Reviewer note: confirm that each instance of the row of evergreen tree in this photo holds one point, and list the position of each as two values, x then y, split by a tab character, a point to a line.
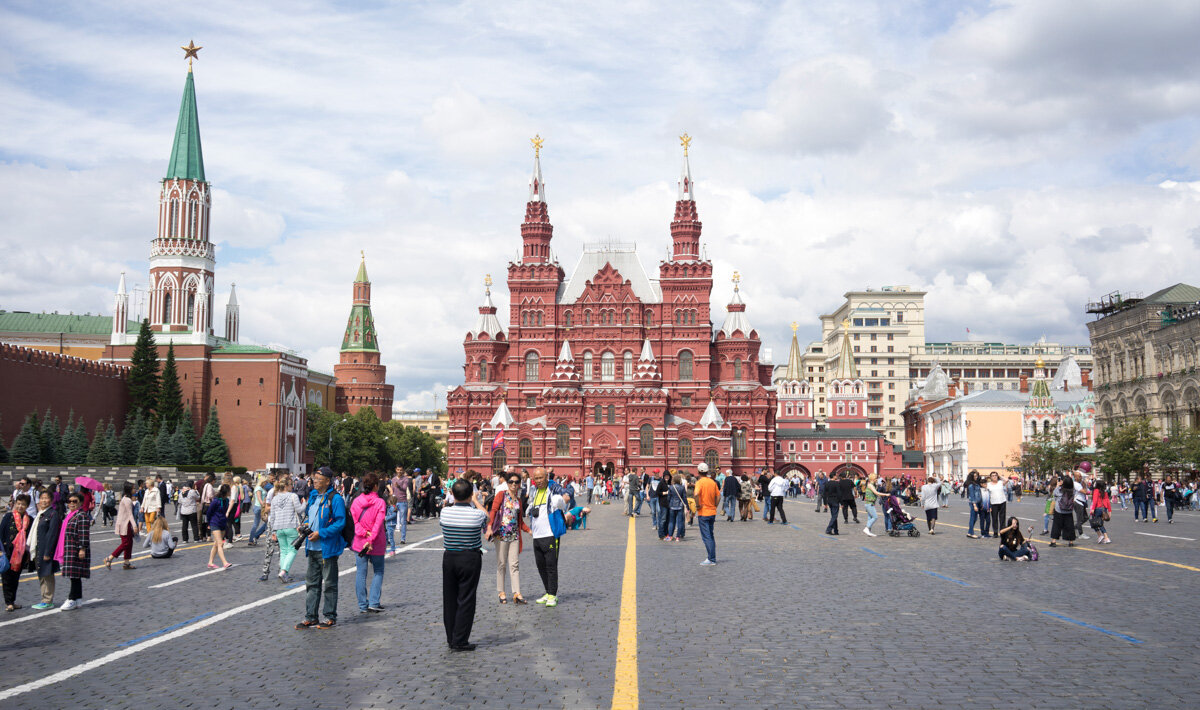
157	431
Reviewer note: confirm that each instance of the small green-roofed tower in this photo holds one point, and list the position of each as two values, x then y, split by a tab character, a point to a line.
361	378
360	328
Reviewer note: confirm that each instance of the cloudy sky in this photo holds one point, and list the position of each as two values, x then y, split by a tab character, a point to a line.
1015	159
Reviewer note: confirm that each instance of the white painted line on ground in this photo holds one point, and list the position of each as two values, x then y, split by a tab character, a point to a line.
1169	537
41	614
1031	520
93	664
191	576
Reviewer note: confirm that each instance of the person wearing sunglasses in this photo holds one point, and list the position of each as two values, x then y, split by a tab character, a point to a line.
505	524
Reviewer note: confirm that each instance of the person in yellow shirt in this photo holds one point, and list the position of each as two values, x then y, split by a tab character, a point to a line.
707	495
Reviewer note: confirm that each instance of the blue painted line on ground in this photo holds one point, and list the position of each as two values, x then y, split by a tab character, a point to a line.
830	537
1093	627
293	586
877	554
948	579
169	629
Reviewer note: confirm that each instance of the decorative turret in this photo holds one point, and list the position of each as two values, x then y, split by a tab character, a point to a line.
793	390
685	228
647	366
232	315
711	418
536	231
735	318
487	322
846	368
737	343
120	324
565	374
1039	394
846	394
795	367
359	374
202	323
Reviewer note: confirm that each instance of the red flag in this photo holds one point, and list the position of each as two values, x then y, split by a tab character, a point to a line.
498	441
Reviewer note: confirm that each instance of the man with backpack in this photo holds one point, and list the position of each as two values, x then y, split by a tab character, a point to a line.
327	521
633	487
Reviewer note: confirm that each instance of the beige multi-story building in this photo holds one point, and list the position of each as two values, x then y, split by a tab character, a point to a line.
1146	352
434	422
887	332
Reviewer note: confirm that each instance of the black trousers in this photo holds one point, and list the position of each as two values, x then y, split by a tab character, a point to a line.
76	591
999	513
460	578
1081	517
1062	527
777	507
832	527
545	554
847	506
10	579
190	519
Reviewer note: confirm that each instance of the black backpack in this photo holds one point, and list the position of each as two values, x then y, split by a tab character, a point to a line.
348	528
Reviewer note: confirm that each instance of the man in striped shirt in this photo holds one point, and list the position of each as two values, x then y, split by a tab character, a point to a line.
462	536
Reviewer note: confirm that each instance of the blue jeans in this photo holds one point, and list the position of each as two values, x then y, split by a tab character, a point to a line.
675	523
321	582
402	516
766	506
1046	521
1139	508
389	527
360	580
654	512
975	516
641	497
731	506
1021	551
887	519
259	527
871	515
706	534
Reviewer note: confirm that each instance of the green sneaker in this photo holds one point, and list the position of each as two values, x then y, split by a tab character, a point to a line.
552	601
42	605
542	599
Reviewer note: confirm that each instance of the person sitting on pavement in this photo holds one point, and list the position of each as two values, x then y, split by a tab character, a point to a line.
160	540
1012	542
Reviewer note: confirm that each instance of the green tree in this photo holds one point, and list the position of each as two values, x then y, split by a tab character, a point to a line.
143	372
131	436
51	440
27	447
1041	455
181	449
98	454
162	443
193	441
75	444
170	396
113	443
1124	449
148	451
213	449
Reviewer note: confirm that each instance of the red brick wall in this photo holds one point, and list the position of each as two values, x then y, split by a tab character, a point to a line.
36	379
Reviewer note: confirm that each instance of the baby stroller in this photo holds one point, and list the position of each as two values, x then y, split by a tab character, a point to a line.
901	521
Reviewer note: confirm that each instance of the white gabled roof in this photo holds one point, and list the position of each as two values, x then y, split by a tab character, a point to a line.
503	417
625	261
711	418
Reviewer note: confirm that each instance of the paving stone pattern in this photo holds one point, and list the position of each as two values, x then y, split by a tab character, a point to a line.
789	618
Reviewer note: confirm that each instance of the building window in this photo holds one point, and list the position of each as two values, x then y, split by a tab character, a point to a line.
862	446
239	380
477	442
562	440
587	367
499	460
833	446
531	366
647	440
804	446
525	451
596	419
587	317
819	446
483	375
628	365
713	459
685	452
172	229
608	367
530	401
539	318
685	365
739	443
649	318
567	319
612	414
628	318
791	446
191	309
216	380
166	317
737	368
685	400
260	381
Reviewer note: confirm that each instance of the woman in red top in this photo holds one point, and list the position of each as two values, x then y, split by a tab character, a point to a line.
1101	508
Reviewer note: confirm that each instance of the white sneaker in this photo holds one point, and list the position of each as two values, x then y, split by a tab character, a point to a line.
70	604
868	533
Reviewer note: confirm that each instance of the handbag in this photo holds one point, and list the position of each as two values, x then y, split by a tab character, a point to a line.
1107	516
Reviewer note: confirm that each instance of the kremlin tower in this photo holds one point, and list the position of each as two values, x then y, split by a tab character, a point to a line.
360	377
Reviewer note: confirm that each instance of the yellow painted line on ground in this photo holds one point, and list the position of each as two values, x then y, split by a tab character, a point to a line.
1106	552
625	689
134	558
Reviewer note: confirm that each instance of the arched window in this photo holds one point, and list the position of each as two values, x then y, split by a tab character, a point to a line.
191	309
567	319
173	225
587	317
739	443
499	460
833	446
531	366
628	318
587	366
166	318
608	367
685	452
647	440
691	318
713	459
737	368
789	410
539	318
685	364
612	414
685	272
853	408
628	369
483	370
476	442
649	318
525	451
596	418
562	440
524	317
194	229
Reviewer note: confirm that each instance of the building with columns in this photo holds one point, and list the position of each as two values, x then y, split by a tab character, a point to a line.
360	376
610	369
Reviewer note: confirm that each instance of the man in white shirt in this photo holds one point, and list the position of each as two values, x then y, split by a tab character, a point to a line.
929	501
543	500
777	487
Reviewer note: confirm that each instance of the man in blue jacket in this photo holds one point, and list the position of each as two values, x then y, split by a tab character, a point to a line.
326	518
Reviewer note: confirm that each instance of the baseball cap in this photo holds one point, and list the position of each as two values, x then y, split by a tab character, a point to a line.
702	468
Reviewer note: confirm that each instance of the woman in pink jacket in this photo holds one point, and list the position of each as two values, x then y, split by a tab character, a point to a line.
370	542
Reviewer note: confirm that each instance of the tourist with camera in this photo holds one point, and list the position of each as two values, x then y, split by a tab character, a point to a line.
323	545
369	513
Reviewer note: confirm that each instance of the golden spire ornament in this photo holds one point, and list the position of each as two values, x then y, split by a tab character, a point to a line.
685	140
537	142
795	327
487	282
190	52
737	279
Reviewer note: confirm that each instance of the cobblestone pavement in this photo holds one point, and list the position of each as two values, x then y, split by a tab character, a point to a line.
790	617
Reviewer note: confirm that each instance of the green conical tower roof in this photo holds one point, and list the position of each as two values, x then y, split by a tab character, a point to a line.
362	273
187	161
360	330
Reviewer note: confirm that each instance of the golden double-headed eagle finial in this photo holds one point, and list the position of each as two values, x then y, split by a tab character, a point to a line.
845	323
537	142
487	280
736	279
795	327
685	140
